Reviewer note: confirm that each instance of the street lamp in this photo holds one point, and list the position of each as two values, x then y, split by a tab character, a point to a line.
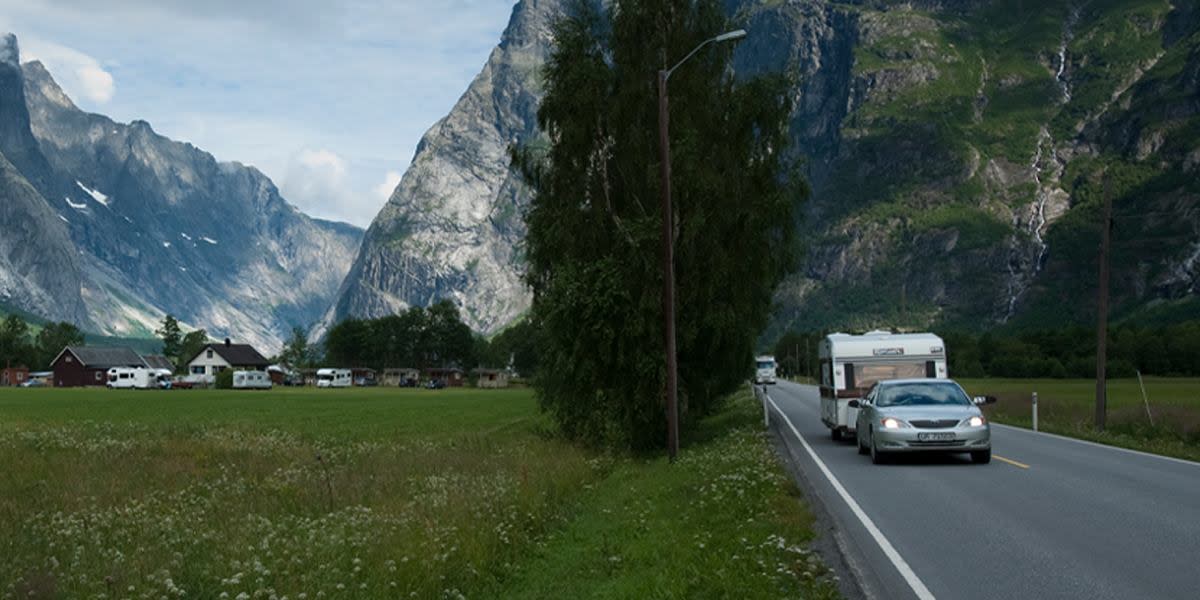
668	241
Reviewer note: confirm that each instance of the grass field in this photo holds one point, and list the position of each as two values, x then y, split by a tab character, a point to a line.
1068	407
380	493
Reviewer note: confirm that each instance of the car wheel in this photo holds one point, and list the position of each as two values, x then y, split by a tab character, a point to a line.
858	438
877	457
836	434
981	457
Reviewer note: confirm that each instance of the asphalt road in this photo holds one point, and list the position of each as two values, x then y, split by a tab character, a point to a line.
1048	518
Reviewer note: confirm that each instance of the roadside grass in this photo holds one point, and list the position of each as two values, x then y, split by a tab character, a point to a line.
1067	407
372	493
724	522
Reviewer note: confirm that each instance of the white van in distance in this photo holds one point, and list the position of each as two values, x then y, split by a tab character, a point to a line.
333	378
764	369
851	364
251	380
137	378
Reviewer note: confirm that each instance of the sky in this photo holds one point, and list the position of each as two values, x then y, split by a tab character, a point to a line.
328	98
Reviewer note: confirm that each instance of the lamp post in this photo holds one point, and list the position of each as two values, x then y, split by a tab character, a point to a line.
668	241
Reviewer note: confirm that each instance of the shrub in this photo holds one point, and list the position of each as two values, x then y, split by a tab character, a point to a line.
225	380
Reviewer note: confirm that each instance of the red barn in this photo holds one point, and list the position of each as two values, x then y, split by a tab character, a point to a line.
78	366
14	376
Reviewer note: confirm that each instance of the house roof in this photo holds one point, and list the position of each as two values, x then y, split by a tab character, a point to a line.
238	355
158	361
103	357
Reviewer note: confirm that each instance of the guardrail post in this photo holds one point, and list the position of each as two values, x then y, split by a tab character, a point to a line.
1035	423
766	408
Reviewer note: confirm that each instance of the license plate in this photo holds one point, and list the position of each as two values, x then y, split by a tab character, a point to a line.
935	437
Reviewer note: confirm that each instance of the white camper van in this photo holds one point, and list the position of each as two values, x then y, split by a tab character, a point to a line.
764	369
851	364
138	378
251	380
333	378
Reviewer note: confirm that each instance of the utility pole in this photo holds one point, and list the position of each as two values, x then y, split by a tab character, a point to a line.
668	241
1102	310
668	258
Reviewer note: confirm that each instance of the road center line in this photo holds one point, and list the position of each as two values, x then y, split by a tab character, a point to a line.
914	582
1010	461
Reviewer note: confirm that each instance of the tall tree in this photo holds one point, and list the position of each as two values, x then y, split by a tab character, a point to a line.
190	346
171	336
594	224
15	346
53	338
297	353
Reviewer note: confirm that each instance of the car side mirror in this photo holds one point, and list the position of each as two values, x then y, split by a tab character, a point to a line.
854	404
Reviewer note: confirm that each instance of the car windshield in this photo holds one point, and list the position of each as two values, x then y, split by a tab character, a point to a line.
764	364
922	394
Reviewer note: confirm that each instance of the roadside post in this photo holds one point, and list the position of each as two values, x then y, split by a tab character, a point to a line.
766	409
1035	411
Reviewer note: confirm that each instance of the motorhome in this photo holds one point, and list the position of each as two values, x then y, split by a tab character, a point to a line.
138	378
764	369
333	378
851	364
251	380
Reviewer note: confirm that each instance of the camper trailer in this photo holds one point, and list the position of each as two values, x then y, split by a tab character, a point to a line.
137	378
333	378
251	380
851	364
764	369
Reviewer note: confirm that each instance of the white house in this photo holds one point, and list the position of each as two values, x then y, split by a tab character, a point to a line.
214	358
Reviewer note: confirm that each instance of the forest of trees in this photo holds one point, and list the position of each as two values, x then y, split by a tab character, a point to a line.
20	346
1171	350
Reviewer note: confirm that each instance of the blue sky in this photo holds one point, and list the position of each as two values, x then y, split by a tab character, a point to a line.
328	98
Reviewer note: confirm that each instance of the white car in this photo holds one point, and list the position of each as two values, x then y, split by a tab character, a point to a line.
922	415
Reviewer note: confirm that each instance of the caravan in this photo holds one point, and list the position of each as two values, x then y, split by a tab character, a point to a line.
851	364
333	378
138	378
251	380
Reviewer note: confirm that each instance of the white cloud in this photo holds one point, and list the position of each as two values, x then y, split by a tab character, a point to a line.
324	161
390	181
80	75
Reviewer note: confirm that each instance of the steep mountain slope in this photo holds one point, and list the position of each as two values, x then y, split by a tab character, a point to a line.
39	266
452	228
957	151
160	226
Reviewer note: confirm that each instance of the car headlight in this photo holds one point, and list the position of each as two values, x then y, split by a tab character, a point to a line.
893	423
975	421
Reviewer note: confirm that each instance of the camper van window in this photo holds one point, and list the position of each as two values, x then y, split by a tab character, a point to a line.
868	375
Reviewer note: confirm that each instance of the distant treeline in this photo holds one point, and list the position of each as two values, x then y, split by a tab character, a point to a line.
22	345
1172	350
423	337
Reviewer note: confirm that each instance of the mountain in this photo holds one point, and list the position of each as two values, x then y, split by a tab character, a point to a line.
157	226
453	226
957	151
39	266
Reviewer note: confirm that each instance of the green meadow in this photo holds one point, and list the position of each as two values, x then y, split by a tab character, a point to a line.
381	493
1067	406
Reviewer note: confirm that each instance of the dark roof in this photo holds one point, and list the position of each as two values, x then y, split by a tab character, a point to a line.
158	361
102	357
237	355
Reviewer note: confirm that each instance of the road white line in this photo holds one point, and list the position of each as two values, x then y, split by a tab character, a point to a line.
1099	445
914	582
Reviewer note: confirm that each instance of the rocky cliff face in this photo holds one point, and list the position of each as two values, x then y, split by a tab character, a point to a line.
956	150
39	266
453	228
160	226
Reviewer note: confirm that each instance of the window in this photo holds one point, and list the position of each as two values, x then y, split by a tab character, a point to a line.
219	369
209	354
68	358
99	377
197	369
922	394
